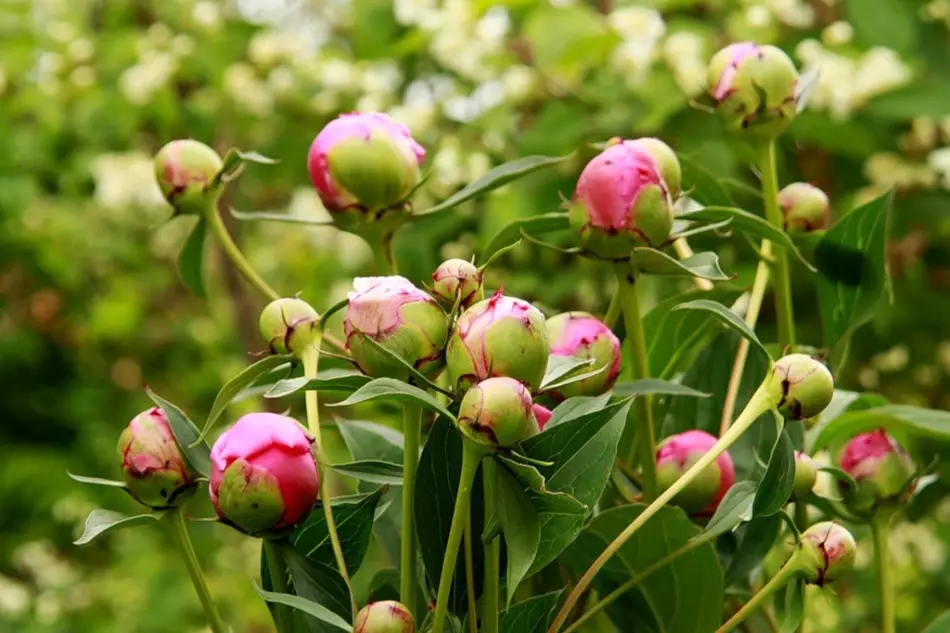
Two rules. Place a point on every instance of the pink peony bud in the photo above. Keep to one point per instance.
(806, 474)
(804, 206)
(677, 454)
(264, 476)
(500, 336)
(457, 280)
(801, 385)
(542, 415)
(582, 335)
(497, 412)
(754, 87)
(386, 616)
(401, 318)
(183, 169)
(289, 325)
(666, 162)
(621, 201)
(367, 161)
(879, 466)
(827, 552)
(155, 471)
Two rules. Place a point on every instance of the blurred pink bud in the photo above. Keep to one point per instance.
(264, 476)
(542, 415)
(805, 207)
(155, 470)
(582, 335)
(879, 466)
(677, 454)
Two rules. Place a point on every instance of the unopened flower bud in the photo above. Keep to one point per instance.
(880, 467)
(500, 336)
(827, 552)
(666, 162)
(542, 415)
(621, 201)
(754, 88)
(801, 385)
(184, 169)
(289, 325)
(364, 161)
(497, 412)
(386, 616)
(154, 469)
(806, 474)
(677, 454)
(581, 335)
(264, 476)
(457, 280)
(804, 206)
(400, 317)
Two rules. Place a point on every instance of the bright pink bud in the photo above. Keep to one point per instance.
(879, 466)
(542, 415)
(621, 200)
(398, 316)
(677, 454)
(364, 160)
(735, 54)
(263, 474)
(582, 335)
(155, 470)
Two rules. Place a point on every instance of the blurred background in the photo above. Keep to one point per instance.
(91, 306)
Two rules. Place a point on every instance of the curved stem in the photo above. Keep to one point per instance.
(311, 358)
(760, 402)
(639, 440)
(880, 530)
(492, 569)
(613, 310)
(180, 534)
(683, 251)
(778, 581)
(213, 217)
(470, 578)
(278, 580)
(756, 296)
(782, 286)
(471, 456)
(411, 430)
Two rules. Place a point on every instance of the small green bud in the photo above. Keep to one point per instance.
(801, 385)
(806, 474)
(289, 325)
(497, 412)
(804, 206)
(827, 552)
(457, 280)
(386, 616)
(184, 169)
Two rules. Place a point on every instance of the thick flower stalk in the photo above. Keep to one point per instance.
(882, 471)
(804, 207)
(500, 336)
(582, 335)
(458, 281)
(289, 326)
(154, 469)
(677, 454)
(385, 616)
(184, 170)
(621, 201)
(264, 476)
(403, 319)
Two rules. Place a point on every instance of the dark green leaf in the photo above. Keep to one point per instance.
(840, 475)
(511, 507)
(776, 485)
(276, 216)
(195, 450)
(702, 185)
(353, 516)
(702, 265)
(901, 421)
(309, 607)
(369, 440)
(392, 389)
(573, 408)
(926, 499)
(794, 611)
(495, 178)
(318, 583)
(734, 509)
(96, 481)
(414, 375)
(892, 23)
(372, 470)
(533, 615)
(758, 537)
(655, 386)
(191, 260)
(683, 596)
(344, 380)
(728, 318)
(101, 521)
(533, 226)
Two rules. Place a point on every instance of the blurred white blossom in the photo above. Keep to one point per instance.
(14, 598)
(837, 33)
(641, 30)
(126, 180)
(939, 161)
(685, 55)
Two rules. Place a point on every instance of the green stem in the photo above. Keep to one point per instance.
(213, 217)
(411, 430)
(471, 456)
(612, 597)
(470, 578)
(782, 286)
(180, 534)
(760, 402)
(642, 441)
(492, 569)
(778, 581)
(880, 530)
(278, 581)
(311, 358)
(801, 515)
(613, 310)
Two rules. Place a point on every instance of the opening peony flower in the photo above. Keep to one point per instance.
(804, 206)
(400, 317)
(288, 325)
(677, 454)
(879, 466)
(828, 552)
(364, 160)
(386, 616)
(801, 385)
(754, 87)
(154, 469)
(183, 169)
(500, 336)
(582, 335)
(457, 280)
(497, 412)
(264, 476)
(620, 201)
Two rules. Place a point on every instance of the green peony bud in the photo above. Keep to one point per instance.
(457, 280)
(497, 412)
(155, 471)
(666, 162)
(184, 169)
(806, 474)
(804, 206)
(827, 552)
(289, 325)
(801, 385)
(386, 616)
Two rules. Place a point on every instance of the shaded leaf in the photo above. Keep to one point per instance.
(646, 386)
(902, 421)
(533, 226)
(794, 611)
(776, 485)
(309, 607)
(655, 262)
(191, 260)
(101, 521)
(757, 538)
(353, 516)
(734, 509)
(195, 450)
(512, 508)
(575, 407)
(344, 380)
(318, 583)
(533, 615)
(702, 185)
(392, 389)
(369, 440)
(372, 470)
(728, 318)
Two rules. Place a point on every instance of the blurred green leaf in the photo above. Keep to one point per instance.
(940, 625)
(756, 539)
(892, 23)
(902, 421)
(567, 41)
(191, 259)
(646, 386)
(369, 440)
(794, 612)
(96, 481)
(309, 607)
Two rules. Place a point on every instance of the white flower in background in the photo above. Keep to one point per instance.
(281, 80)
(893, 360)
(758, 17)
(466, 45)
(893, 170)
(939, 161)
(409, 12)
(794, 13)
(837, 33)
(81, 49)
(139, 82)
(338, 74)
(245, 88)
(381, 79)
(14, 598)
(917, 545)
(684, 53)
(126, 180)
(448, 168)
(641, 30)
(206, 14)
(40, 560)
(82, 77)
(520, 82)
